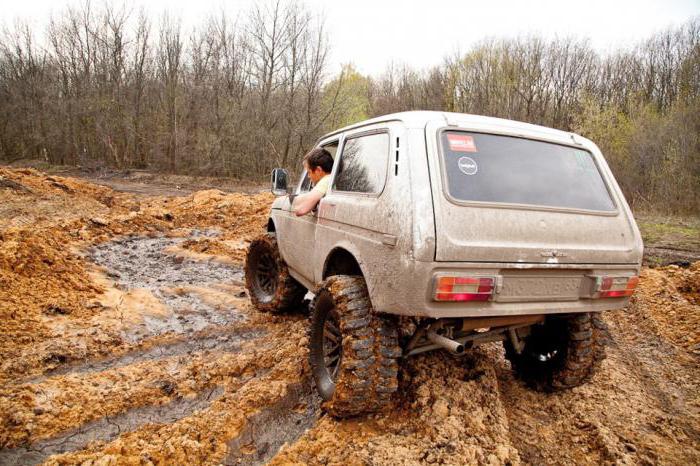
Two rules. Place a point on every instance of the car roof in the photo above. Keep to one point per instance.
(420, 118)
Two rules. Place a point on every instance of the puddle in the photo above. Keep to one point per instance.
(227, 340)
(273, 426)
(141, 263)
(109, 428)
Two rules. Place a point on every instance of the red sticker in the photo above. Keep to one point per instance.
(461, 143)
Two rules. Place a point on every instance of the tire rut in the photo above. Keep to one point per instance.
(274, 426)
(108, 428)
(221, 340)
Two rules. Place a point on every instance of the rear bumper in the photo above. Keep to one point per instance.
(523, 291)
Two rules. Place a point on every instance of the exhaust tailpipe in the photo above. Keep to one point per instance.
(444, 342)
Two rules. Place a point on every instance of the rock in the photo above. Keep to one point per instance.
(440, 409)
(164, 215)
(166, 386)
(502, 453)
(9, 184)
(59, 185)
(99, 221)
(53, 309)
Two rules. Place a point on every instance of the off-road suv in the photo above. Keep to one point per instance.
(445, 231)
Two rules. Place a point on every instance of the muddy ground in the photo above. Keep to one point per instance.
(128, 338)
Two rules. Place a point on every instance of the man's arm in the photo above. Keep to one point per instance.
(305, 203)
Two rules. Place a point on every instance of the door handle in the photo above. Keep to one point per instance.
(389, 240)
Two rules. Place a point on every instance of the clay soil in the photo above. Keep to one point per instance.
(127, 337)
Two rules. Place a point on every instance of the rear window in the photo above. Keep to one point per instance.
(491, 168)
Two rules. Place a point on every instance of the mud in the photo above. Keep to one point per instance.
(227, 339)
(275, 427)
(126, 337)
(656, 256)
(142, 263)
(109, 428)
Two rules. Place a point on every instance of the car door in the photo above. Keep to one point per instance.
(298, 245)
(356, 212)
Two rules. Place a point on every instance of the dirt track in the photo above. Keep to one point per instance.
(127, 338)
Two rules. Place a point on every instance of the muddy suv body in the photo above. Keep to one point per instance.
(467, 229)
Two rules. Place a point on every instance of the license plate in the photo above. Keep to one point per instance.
(538, 288)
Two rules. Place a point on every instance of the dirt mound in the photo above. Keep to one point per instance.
(670, 298)
(239, 215)
(41, 282)
(217, 248)
(39, 200)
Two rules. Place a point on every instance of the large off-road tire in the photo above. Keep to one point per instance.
(562, 353)
(353, 351)
(267, 278)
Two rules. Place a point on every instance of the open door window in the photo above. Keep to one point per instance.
(305, 185)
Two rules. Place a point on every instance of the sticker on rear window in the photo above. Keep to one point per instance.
(461, 143)
(467, 165)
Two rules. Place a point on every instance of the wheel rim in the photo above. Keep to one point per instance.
(332, 344)
(266, 275)
(544, 357)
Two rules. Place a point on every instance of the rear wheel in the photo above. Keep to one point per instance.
(561, 353)
(267, 278)
(353, 352)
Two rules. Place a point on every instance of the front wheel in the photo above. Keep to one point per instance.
(267, 278)
(561, 353)
(352, 351)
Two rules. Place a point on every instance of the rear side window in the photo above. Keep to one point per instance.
(362, 165)
(494, 168)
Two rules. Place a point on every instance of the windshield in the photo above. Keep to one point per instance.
(505, 169)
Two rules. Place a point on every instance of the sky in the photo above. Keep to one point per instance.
(373, 33)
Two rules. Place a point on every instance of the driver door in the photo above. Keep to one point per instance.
(298, 247)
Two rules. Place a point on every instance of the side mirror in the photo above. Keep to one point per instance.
(279, 181)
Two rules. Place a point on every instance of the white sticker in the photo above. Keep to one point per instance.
(467, 165)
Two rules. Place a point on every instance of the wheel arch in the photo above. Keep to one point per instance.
(341, 261)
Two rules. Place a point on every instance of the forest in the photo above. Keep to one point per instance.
(105, 87)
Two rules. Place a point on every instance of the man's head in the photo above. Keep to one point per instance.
(318, 163)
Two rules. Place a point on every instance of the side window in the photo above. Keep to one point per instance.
(332, 148)
(362, 166)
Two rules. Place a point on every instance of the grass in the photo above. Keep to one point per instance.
(667, 231)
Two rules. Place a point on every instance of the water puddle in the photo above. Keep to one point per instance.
(141, 264)
(269, 429)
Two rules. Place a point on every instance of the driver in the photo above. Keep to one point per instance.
(318, 163)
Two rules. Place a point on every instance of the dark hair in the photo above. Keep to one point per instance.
(319, 157)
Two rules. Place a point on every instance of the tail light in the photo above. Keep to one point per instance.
(614, 287)
(463, 288)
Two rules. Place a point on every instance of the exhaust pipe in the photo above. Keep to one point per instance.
(444, 342)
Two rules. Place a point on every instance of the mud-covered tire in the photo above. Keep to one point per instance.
(562, 353)
(366, 375)
(267, 278)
